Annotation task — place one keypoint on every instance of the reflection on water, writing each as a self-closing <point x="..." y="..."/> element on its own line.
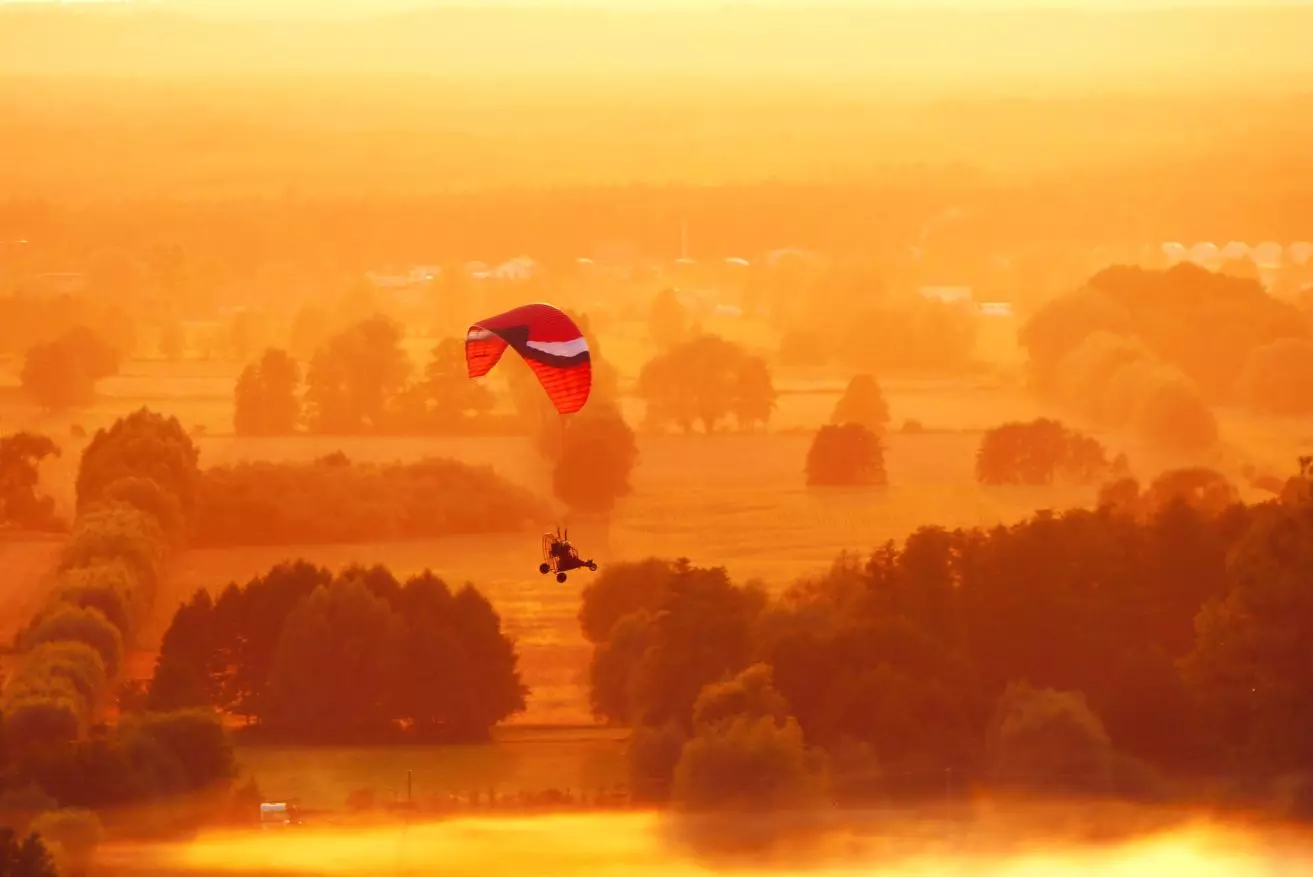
<point x="637" y="845"/>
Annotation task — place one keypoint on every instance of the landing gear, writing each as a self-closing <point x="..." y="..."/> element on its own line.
<point x="544" y="568"/>
<point x="560" y="577"/>
<point x="592" y="566"/>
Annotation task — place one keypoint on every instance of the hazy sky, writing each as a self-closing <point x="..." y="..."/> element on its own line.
<point x="365" y="6"/>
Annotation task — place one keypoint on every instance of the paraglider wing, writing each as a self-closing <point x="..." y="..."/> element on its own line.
<point x="547" y="339"/>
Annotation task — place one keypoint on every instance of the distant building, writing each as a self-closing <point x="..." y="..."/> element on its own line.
<point x="947" y="294"/>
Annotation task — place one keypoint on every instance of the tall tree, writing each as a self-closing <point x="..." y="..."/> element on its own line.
<point x="353" y="379"/>
<point x="266" y="397"/>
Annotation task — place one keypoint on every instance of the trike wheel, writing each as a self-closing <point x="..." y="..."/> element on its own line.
<point x="560" y="577"/>
<point x="544" y="568"/>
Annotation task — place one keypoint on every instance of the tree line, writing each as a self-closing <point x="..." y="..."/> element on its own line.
<point x="136" y="491"/>
<point x="848" y="451"/>
<point x="305" y="656"/>
<point x="288" y="503"/>
<point x="1128" y="649"/>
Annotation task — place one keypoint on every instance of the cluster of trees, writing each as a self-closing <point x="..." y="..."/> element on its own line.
<point x="844" y="316"/>
<point x="62" y="373"/>
<point x="703" y="381"/>
<point x="22" y="505"/>
<point x="361" y="381"/>
<point x="334" y="499"/>
<point x="1151" y="350"/>
<point x="1113" y="650"/>
<point x="308" y="657"/>
<point x="136" y="493"/>
<point x="1041" y="451"/>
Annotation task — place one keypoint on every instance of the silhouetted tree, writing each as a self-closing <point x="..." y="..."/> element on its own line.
<point x="24" y="858"/>
<point x="62" y="373"/>
<point x="334" y="650"/>
<point x="188" y="673"/>
<point x="21" y="455"/>
<point x="703" y="381"/>
<point x="445" y="399"/>
<point x="746" y="753"/>
<point x="845" y="455"/>
<point x="1036" y="453"/>
<point x="353" y="379"/>
<point x="862" y="402"/>
<point x="1050" y="740"/>
<point x="266" y="400"/>
<point x="142" y="444"/>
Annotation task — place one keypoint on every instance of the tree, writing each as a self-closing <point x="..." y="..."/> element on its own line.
<point x="620" y="589"/>
<point x="336" y="650"/>
<point x="187" y="672"/>
<point x="250" y="622"/>
<point x="266" y="400"/>
<point x="1278" y="378"/>
<point x="1036" y="453"/>
<point x="1061" y="325"/>
<point x="1048" y="738"/>
<point x="353" y="379"/>
<point x="66" y="623"/>
<point x="21" y="455"/>
<point x="667" y="321"/>
<point x="747" y="753"/>
<point x="445" y="399"/>
<point x="703" y="381"/>
<point x="142" y="444"/>
<point x="845" y="455"/>
<point x="652" y="757"/>
<point x="598" y="454"/>
<point x="1248" y="668"/>
<point x="148" y="497"/>
<point x="862" y="402"/>
<point x="26" y="858"/>
<point x="1174" y="416"/>
<point x="62" y="666"/>
<point x="108" y="585"/>
<point x="701" y="632"/>
<point x="62" y="373"/>
<point x="118" y="532"/>
<point x="195" y="738"/>
<point x="612" y="668"/>
<point x="1082" y="377"/>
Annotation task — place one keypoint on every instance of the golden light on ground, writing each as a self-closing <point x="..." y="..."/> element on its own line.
<point x="635" y="845"/>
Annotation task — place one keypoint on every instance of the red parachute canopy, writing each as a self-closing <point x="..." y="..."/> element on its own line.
<point x="547" y="339"/>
